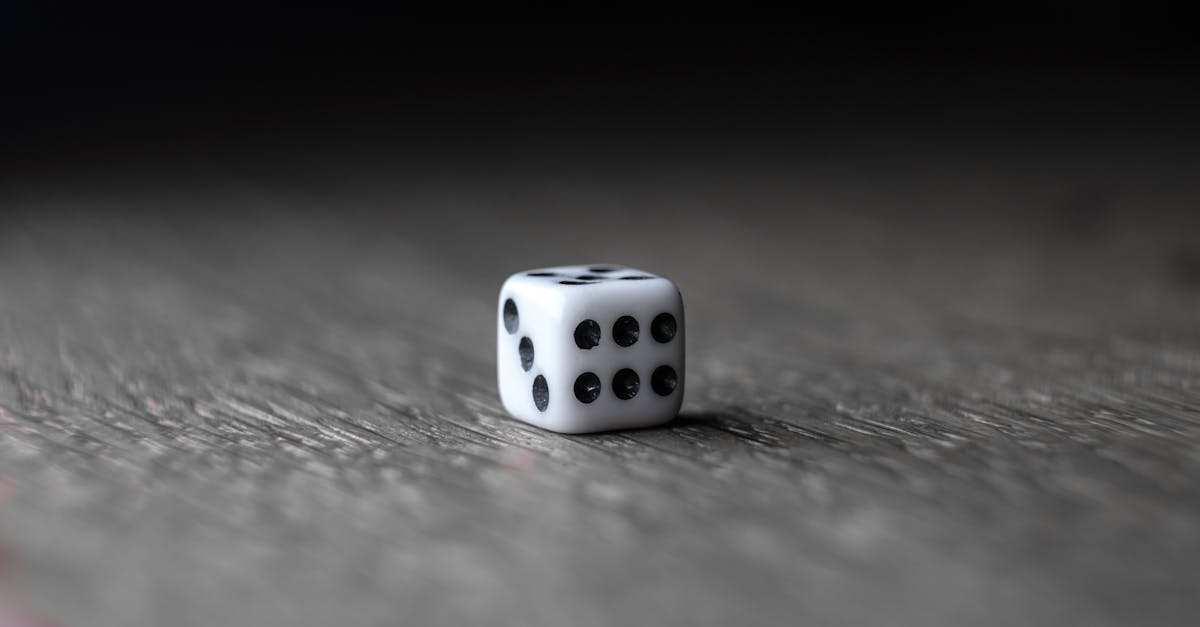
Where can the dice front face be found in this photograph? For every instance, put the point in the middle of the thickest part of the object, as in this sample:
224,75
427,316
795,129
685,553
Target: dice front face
590,348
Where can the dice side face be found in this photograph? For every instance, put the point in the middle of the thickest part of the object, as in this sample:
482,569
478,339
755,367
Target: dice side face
614,343
529,314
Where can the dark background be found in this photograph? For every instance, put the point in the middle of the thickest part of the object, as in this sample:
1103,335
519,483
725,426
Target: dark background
90,88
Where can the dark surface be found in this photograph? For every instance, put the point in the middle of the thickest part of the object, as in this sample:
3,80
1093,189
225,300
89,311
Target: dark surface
943,307
279,407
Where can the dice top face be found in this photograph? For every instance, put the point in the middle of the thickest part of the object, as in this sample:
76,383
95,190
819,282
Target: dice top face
590,348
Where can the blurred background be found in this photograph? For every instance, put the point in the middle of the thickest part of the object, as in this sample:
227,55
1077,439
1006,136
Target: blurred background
1079,103
309,91
1067,128
941,265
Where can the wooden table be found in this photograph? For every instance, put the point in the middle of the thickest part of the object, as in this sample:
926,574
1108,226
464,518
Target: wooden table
923,387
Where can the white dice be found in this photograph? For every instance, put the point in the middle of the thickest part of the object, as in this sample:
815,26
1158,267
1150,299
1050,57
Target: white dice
590,348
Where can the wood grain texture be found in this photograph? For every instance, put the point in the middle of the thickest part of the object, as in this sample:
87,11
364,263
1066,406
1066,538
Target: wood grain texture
928,392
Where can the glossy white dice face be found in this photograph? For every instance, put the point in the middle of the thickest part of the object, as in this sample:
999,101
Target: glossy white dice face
590,348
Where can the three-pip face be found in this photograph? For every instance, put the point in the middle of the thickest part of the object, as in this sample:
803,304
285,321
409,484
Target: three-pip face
590,348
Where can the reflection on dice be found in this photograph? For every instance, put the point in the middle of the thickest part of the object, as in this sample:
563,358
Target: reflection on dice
590,348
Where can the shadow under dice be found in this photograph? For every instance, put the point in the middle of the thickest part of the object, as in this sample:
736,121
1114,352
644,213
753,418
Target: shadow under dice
590,348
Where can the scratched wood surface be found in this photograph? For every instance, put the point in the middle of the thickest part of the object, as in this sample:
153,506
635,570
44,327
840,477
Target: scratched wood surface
921,390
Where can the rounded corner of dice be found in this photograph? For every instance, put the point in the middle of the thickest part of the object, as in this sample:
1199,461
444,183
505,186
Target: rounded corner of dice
592,347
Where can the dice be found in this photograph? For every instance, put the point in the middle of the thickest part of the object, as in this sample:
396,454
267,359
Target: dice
590,348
